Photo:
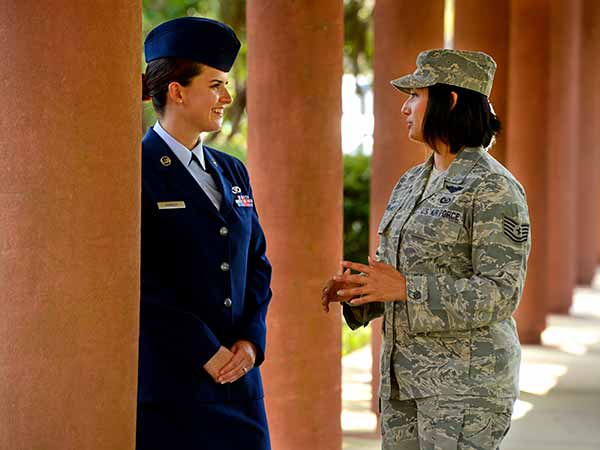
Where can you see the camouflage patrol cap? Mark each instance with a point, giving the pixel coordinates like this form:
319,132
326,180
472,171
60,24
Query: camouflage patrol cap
465,69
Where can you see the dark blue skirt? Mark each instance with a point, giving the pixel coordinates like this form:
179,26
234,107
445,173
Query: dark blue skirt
202,426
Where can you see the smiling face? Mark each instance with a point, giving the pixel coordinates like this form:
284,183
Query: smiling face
414,109
202,103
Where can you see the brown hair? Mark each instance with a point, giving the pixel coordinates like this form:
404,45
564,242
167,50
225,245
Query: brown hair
163,71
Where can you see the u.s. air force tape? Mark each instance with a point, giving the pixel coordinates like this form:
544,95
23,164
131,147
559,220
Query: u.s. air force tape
455,216
515,231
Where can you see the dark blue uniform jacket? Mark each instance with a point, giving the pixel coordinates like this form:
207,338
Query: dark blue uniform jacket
204,278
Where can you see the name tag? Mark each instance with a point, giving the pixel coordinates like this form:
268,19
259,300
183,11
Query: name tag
171,205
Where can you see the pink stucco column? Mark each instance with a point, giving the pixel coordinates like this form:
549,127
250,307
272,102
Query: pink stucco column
69,224
527,148
588,167
563,153
484,28
294,156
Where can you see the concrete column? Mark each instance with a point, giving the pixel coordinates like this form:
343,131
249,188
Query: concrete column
526,147
401,32
295,161
69,224
484,28
563,152
588,167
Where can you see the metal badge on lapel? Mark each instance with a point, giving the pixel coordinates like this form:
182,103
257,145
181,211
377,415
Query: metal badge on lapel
236,190
165,161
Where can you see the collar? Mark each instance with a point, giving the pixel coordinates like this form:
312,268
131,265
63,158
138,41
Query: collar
181,151
463,164
456,173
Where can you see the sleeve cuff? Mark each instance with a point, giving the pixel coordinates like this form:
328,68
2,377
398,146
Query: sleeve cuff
353,316
256,335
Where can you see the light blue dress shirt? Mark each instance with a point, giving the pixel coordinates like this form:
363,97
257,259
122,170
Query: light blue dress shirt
198,171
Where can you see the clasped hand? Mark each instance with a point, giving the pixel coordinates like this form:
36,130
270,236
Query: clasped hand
227,366
378,282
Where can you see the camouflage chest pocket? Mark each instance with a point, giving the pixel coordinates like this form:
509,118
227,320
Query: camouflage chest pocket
441,227
434,238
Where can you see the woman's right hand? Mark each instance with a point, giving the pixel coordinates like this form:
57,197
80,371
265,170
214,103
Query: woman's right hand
331,288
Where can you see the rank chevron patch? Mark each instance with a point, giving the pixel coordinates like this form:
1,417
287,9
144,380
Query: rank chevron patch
515,231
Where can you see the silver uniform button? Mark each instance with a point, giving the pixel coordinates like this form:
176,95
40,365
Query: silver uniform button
223,231
224,267
227,303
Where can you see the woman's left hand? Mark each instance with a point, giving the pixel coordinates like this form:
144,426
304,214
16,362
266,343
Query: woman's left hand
244,355
380,282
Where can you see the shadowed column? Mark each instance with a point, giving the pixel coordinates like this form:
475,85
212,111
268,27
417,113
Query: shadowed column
69,224
588,177
295,161
526,147
484,28
563,153
401,32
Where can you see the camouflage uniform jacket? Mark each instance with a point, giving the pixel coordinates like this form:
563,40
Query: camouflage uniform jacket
463,248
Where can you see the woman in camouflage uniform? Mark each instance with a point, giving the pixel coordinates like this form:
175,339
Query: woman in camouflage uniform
449,270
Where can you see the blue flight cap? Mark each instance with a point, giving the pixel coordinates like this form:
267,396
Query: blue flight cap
197,38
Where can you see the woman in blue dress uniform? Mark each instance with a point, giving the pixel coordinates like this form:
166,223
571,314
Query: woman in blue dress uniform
204,274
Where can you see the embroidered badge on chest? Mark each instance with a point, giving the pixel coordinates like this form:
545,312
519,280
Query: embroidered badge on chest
244,201
514,230
445,199
236,190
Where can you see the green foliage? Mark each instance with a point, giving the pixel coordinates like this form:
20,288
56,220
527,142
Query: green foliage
354,339
357,177
358,36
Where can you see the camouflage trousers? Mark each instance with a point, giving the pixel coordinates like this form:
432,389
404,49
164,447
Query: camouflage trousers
445,423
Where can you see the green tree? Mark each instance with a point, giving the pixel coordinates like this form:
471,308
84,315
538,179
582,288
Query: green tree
358,40
357,177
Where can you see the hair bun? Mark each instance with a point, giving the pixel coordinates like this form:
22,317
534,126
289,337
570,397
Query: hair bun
145,91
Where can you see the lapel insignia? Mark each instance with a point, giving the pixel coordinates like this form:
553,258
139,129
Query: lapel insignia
165,161
445,199
236,190
454,189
